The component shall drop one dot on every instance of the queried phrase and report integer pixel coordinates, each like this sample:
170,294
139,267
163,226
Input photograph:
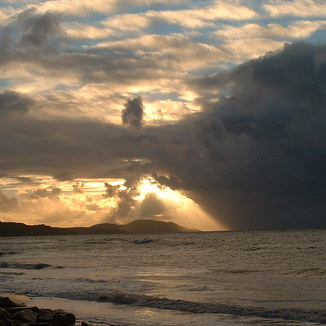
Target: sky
207,113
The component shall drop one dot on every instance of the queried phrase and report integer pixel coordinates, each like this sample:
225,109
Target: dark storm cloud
254,159
265,168
132,114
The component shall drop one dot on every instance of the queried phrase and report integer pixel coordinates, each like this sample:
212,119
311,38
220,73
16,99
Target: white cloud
85,7
299,29
297,8
251,48
77,31
187,18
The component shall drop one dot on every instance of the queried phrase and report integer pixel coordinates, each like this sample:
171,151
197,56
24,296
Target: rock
4,314
63,318
5,302
26,315
45,315
15,323
3,323
13,310
84,323
38,324
56,317
12,314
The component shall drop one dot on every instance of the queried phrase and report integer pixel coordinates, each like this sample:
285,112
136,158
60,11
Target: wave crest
198,307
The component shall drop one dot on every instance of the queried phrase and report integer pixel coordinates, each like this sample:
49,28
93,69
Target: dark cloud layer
265,166
255,159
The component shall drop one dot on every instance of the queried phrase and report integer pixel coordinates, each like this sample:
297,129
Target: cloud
186,18
295,30
7,203
297,8
171,181
29,27
254,156
251,47
132,114
260,158
14,103
84,8
151,206
52,194
39,28
111,190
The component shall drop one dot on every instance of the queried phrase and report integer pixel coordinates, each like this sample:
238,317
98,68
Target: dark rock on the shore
4,314
12,314
5,302
13,310
56,317
83,323
39,324
26,316
45,315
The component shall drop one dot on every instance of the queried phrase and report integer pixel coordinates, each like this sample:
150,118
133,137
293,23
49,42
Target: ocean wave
25,266
207,308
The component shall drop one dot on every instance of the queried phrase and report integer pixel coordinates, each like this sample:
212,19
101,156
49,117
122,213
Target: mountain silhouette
134,227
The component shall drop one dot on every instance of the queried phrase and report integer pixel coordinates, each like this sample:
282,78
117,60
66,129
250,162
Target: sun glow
173,206
84,202
149,186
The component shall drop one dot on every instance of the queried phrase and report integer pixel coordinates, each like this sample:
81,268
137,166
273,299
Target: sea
175,279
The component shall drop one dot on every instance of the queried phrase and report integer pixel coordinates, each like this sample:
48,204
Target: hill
135,227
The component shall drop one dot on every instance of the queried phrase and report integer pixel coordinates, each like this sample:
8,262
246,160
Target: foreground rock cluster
13,314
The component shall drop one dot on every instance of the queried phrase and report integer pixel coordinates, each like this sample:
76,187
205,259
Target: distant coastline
12,229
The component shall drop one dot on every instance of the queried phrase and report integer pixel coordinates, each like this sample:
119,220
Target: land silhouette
134,227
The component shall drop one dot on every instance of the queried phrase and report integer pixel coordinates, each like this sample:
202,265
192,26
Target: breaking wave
207,308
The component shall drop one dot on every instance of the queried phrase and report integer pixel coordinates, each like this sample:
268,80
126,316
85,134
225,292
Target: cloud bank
254,157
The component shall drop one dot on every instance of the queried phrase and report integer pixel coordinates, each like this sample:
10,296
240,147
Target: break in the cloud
206,126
